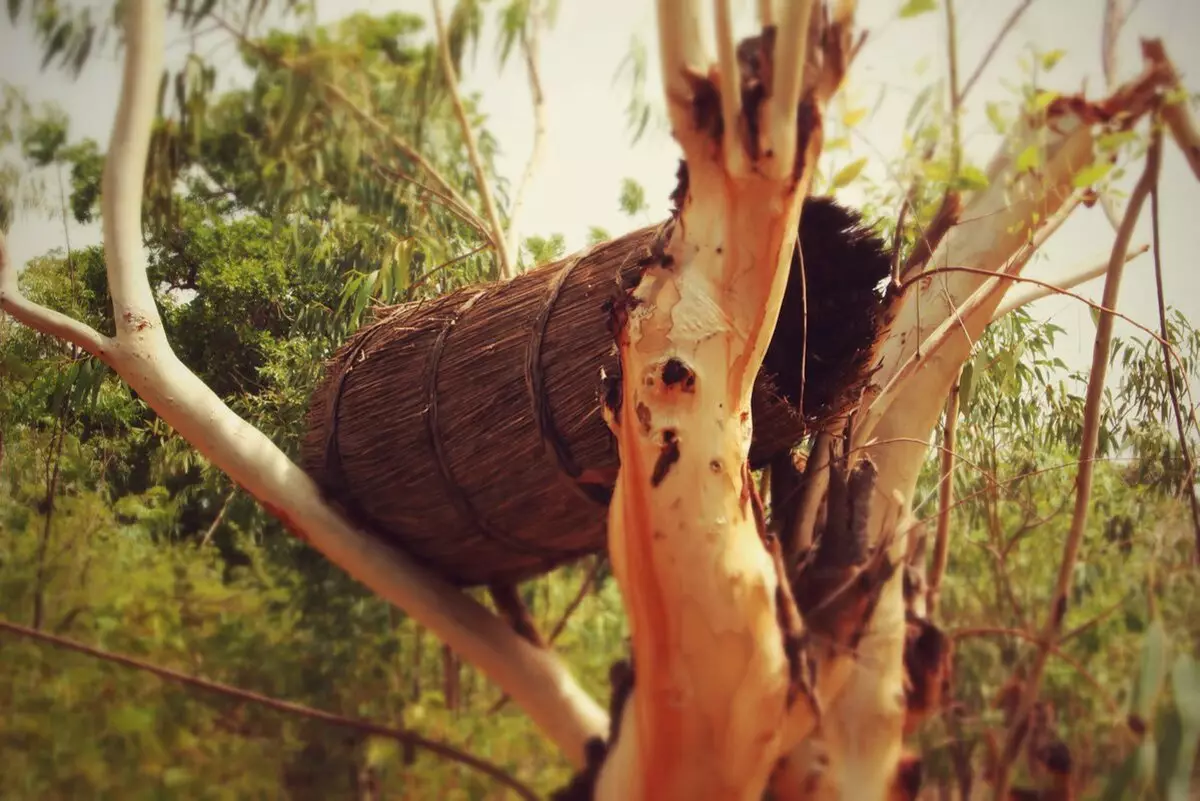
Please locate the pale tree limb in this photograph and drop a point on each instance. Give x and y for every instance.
(1083, 480)
(1029, 292)
(1175, 112)
(531, 48)
(1001, 228)
(507, 265)
(363, 727)
(141, 354)
(990, 53)
(1172, 389)
(1115, 14)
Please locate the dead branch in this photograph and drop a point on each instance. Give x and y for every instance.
(531, 48)
(941, 542)
(1175, 111)
(1172, 389)
(364, 727)
(1083, 481)
(507, 266)
(1034, 290)
(1001, 35)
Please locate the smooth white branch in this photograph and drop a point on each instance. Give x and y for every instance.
(141, 354)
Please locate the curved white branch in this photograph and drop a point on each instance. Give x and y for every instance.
(534, 677)
(730, 88)
(44, 320)
(683, 56)
(791, 58)
(1015, 298)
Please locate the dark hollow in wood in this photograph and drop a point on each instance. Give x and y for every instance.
(467, 430)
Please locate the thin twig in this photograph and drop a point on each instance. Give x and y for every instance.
(1005, 30)
(1055, 289)
(941, 542)
(561, 625)
(216, 523)
(1083, 480)
(432, 271)
(997, 631)
(531, 47)
(289, 707)
(1066, 282)
(955, 97)
(507, 268)
(1114, 21)
(458, 205)
(1175, 114)
(1169, 367)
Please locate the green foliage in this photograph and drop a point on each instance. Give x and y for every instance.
(633, 198)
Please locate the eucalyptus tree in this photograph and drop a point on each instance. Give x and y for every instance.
(745, 681)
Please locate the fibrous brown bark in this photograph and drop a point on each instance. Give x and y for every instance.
(468, 429)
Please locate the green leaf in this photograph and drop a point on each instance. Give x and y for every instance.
(996, 117)
(1185, 686)
(1050, 59)
(14, 10)
(971, 178)
(1030, 158)
(848, 173)
(1091, 174)
(132, 719)
(1149, 679)
(1043, 99)
(966, 387)
(915, 8)
(633, 197)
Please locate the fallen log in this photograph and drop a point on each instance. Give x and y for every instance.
(467, 429)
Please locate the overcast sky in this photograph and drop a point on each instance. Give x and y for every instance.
(588, 150)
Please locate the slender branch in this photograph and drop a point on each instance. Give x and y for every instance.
(791, 57)
(530, 46)
(1083, 481)
(365, 727)
(1175, 114)
(955, 97)
(537, 679)
(560, 626)
(682, 54)
(1056, 289)
(1014, 300)
(1169, 367)
(216, 523)
(941, 542)
(432, 271)
(465, 214)
(953, 324)
(449, 196)
(1055, 650)
(730, 88)
(507, 267)
(1114, 20)
(1003, 33)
